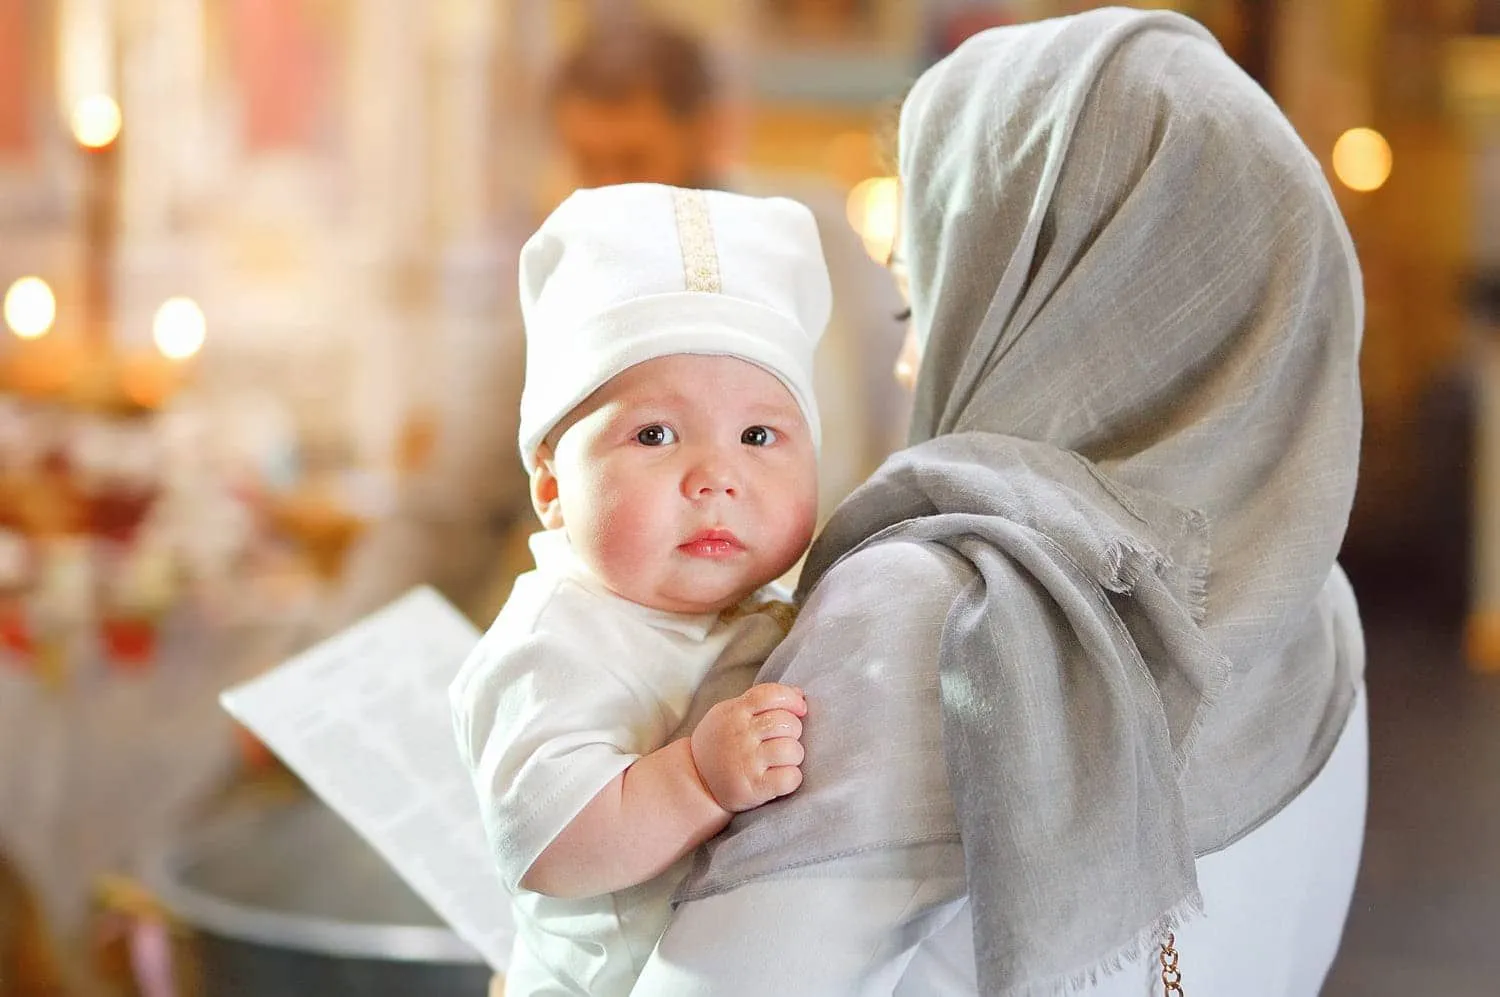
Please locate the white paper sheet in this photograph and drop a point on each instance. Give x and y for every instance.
(363, 719)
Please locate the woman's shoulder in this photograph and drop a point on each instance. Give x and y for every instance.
(892, 576)
(897, 557)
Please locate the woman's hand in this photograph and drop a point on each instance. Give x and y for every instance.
(748, 749)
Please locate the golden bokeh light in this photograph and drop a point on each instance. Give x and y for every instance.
(96, 121)
(30, 307)
(1362, 159)
(873, 209)
(179, 328)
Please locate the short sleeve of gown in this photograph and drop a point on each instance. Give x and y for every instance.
(545, 721)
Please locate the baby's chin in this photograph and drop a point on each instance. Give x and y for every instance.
(700, 603)
(709, 596)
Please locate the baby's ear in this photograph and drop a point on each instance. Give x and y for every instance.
(544, 492)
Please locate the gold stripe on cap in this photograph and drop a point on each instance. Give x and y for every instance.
(695, 234)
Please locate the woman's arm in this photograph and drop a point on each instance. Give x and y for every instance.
(849, 927)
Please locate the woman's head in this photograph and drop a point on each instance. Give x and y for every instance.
(1117, 245)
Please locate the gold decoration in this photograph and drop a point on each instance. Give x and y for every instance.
(695, 233)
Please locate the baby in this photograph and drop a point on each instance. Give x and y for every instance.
(669, 427)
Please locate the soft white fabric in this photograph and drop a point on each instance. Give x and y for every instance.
(570, 686)
(896, 923)
(620, 275)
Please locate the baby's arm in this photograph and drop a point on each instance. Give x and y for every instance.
(746, 751)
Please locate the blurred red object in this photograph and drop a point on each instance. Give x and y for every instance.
(117, 513)
(129, 642)
(16, 76)
(15, 631)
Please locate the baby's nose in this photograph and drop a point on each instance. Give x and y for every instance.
(710, 477)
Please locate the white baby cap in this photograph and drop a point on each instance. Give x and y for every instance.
(620, 275)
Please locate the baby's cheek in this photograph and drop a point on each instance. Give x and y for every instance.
(617, 509)
(632, 532)
(803, 520)
(619, 540)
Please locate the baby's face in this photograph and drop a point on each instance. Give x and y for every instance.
(685, 483)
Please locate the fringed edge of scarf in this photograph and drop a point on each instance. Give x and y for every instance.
(1128, 560)
(1147, 940)
(1197, 574)
(1197, 592)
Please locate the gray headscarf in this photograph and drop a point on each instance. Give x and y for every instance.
(1139, 391)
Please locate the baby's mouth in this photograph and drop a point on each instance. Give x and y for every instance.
(712, 544)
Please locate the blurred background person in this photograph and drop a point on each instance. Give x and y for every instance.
(635, 100)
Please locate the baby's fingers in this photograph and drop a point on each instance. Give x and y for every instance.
(780, 781)
(774, 696)
(776, 724)
(780, 751)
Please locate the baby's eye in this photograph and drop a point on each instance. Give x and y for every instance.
(758, 436)
(655, 436)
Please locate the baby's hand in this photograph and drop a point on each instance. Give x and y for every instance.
(748, 748)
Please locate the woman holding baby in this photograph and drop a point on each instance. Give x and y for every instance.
(1083, 677)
